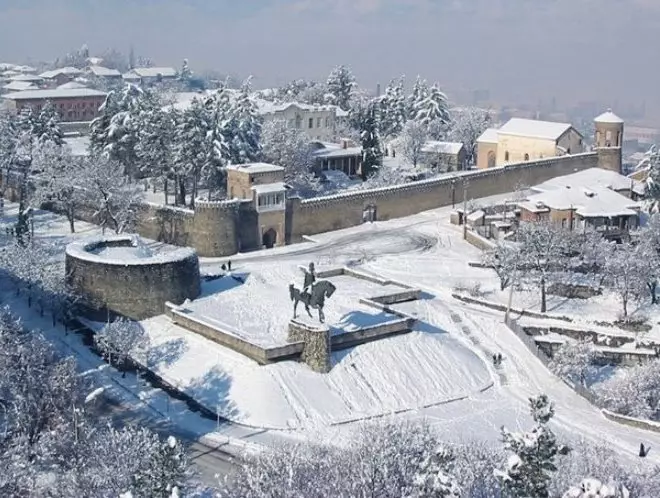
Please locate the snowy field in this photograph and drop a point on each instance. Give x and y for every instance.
(406, 372)
(260, 309)
(455, 340)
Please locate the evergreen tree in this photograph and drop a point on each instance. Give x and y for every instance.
(341, 83)
(221, 130)
(243, 128)
(419, 92)
(372, 153)
(48, 126)
(190, 148)
(99, 127)
(433, 111)
(167, 474)
(393, 109)
(652, 193)
(185, 74)
(433, 478)
(532, 454)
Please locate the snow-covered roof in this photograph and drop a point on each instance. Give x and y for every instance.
(434, 146)
(608, 117)
(19, 86)
(95, 61)
(26, 77)
(594, 202)
(534, 128)
(590, 178)
(25, 69)
(104, 71)
(57, 93)
(338, 152)
(86, 249)
(266, 107)
(70, 85)
(256, 167)
(69, 71)
(152, 72)
(489, 136)
(269, 188)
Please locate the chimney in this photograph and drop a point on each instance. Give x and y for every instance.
(344, 143)
(377, 89)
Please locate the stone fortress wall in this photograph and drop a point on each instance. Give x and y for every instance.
(225, 227)
(137, 288)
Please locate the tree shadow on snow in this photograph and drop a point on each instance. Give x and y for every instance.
(168, 352)
(212, 391)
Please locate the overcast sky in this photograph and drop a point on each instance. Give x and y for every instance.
(521, 50)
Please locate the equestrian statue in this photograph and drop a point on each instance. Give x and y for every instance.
(313, 294)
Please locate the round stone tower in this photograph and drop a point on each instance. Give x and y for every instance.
(609, 140)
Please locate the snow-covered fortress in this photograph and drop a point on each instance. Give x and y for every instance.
(262, 215)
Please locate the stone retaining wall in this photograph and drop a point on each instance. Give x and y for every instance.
(648, 425)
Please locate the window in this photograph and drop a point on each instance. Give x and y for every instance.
(327, 122)
(506, 155)
(310, 123)
(526, 157)
(608, 135)
(290, 123)
(298, 122)
(563, 222)
(580, 141)
(318, 122)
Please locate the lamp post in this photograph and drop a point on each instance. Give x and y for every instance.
(465, 186)
(453, 193)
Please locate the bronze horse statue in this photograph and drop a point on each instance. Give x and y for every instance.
(313, 296)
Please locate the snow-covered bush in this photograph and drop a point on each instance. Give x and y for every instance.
(121, 339)
(573, 360)
(593, 488)
(635, 391)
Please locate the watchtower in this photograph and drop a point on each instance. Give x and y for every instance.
(263, 184)
(609, 140)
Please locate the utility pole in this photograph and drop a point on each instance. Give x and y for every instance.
(453, 193)
(465, 183)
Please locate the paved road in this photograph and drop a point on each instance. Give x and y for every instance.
(208, 461)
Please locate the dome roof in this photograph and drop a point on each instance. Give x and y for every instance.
(609, 117)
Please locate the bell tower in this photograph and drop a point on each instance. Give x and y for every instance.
(609, 141)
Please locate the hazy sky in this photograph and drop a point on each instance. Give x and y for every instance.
(521, 50)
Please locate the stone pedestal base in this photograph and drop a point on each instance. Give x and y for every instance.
(316, 339)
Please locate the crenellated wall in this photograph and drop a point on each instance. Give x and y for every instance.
(225, 227)
(323, 214)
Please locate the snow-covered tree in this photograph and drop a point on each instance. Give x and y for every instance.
(392, 109)
(372, 152)
(593, 488)
(243, 128)
(121, 340)
(433, 478)
(420, 91)
(652, 190)
(289, 147)
(466, 126)
(190, 148)
(411, 142)
(648, 242)
(626, 273)
(217, 145)
(434, 111)
(574, 360)
(340, 85)
(47, 126)
(98, 138)
(111, 194)
(543, 250)
(167, 474)
(504, 260)
(532, 455)
(185, 73)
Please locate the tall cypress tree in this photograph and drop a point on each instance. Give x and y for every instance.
(372, 153)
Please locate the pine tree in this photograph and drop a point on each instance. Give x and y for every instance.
(433, 111)
(243, 133)
(341, 83)
(372, 153)
(532, 454)
(49, 126)
(419, 92)
(433, 478)
(121, 136)
(99, 127)
(221, 130)
(190, 148)
(393, 109)
(167, 473)
(185, 74)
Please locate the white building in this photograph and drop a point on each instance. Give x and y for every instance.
(146, 75)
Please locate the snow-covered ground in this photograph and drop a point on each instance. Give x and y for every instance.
(447, 357)
(260, 309)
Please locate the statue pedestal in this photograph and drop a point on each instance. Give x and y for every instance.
(316, 340)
